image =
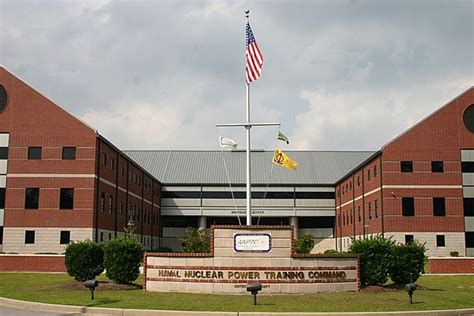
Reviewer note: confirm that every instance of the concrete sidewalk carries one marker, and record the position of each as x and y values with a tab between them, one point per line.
98	311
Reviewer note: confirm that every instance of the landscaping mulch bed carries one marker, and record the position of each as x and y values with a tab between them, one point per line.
388	288
103	286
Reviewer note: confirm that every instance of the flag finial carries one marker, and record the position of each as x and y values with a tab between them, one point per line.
247	13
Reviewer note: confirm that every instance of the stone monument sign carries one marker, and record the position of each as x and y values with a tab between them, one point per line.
248	254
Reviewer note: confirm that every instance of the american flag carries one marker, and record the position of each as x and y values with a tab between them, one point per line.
254	56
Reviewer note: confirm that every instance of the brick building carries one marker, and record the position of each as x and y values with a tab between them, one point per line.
60	180
418	186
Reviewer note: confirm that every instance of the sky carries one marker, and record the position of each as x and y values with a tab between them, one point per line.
158	75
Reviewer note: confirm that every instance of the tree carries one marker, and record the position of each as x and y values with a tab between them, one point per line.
304	244
195	241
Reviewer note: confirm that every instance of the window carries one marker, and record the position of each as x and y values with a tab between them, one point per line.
29	237
376	209
66	201
2	198
112	163
358	180
122	170
468	206
467	166
111	203
375	171
102	201
101	236
437	166
368	174
469	239
406	166
1	235
3	152
120	207
104	159
360	218
32	198
65	237
34	153
408	206
439	206
440	242
69	153
370	210
409	239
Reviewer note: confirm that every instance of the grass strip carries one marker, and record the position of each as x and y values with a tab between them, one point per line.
442	292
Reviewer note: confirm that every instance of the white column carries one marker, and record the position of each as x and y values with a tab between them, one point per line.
202	223
294	223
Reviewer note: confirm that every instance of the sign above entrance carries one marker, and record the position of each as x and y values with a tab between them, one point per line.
253	242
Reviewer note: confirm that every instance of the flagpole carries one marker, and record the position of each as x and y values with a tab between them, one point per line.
247	154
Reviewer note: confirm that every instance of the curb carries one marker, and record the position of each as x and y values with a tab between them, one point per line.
96	311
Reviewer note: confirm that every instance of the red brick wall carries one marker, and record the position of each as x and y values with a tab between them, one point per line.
350	191
451	265
34	263
439	137
33	120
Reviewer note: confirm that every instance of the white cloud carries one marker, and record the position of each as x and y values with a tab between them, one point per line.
367	119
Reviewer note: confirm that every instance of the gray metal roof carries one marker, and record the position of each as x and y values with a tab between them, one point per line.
181	167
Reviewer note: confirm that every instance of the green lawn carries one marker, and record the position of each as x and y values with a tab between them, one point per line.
442	292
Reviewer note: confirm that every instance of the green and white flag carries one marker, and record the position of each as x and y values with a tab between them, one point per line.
283	138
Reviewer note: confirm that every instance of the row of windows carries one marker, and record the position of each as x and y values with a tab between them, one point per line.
35	153
64	237
408	209
66	198
345	218
132	177
134	211
436	166
440	240
242	195
408	206
348	186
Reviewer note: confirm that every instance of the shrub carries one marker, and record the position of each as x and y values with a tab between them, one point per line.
84	260
331	252
195	241
122	258
407	262
375	255
454	254
304	244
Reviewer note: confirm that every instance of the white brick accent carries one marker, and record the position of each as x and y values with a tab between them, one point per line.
453	241
46	239
4	140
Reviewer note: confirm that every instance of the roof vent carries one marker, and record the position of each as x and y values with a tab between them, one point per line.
468	118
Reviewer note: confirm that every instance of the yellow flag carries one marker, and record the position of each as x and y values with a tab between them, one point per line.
282	159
